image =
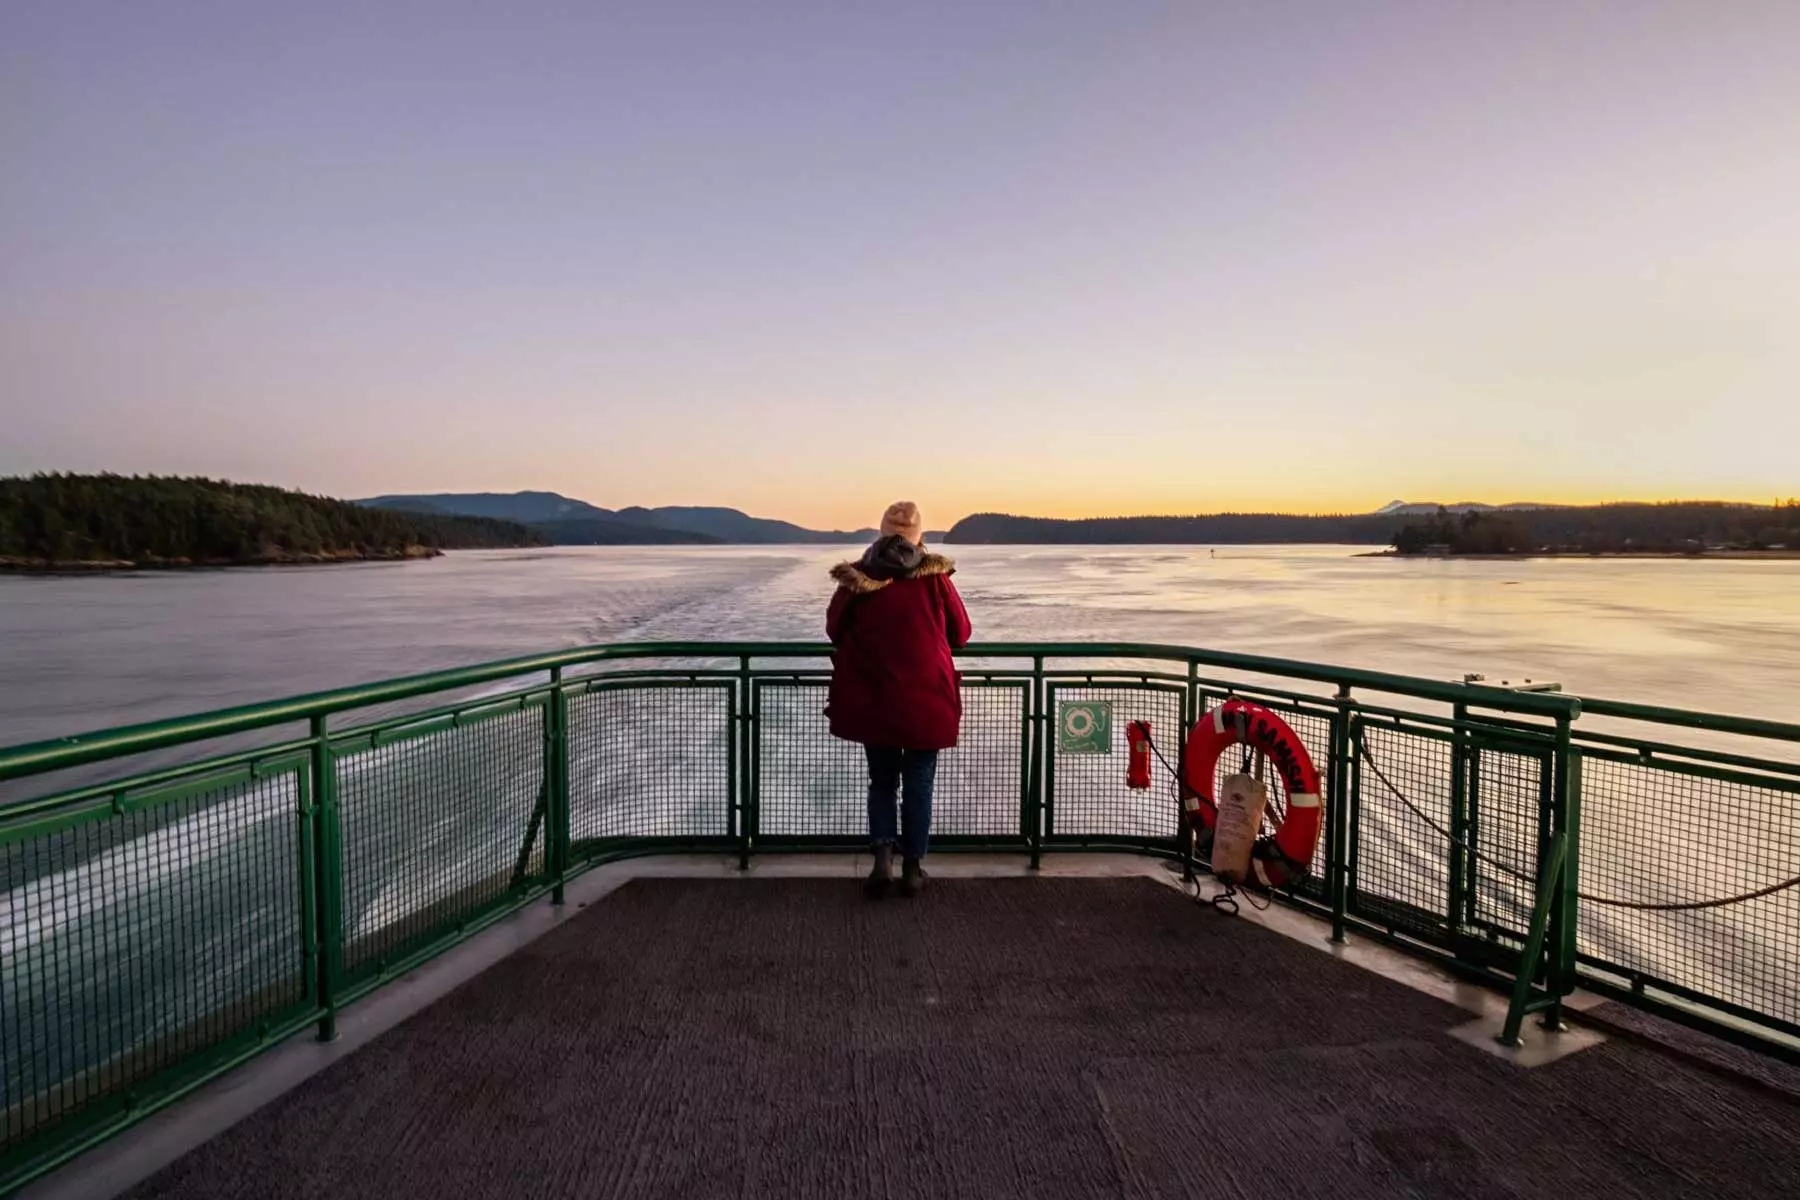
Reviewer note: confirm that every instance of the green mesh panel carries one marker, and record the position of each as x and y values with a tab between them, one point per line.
1653	834
814	785
1507	795
651	760
132	942
1401	865
1088	797
810	783
980	782
432	828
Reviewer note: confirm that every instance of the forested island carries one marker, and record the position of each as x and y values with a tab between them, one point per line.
1679	527
60	522
1686	528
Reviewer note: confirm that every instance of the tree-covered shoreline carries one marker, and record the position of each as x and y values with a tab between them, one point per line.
1685	527
1694	528
74	522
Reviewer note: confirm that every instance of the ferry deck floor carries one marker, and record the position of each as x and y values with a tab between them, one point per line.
678	1030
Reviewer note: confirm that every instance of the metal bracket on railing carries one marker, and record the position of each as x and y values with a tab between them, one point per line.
1524	685
1531	957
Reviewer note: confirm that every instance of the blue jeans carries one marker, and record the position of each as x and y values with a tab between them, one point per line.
888	769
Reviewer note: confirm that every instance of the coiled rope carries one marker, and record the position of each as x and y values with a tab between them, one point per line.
1227	900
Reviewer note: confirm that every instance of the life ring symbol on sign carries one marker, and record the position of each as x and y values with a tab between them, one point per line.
1078	723
1285	857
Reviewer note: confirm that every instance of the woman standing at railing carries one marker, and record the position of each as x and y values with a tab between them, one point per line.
894	621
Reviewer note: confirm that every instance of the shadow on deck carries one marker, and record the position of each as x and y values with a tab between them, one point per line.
1018	1036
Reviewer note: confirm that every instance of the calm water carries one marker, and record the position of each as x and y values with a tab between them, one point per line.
78	653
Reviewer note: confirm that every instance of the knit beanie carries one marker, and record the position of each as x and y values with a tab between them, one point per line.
902	520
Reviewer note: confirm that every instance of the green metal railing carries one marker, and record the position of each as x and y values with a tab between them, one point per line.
164	924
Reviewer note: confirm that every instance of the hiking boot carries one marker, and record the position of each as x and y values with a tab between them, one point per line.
881	874
912	878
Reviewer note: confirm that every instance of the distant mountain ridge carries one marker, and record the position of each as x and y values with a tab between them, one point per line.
571	522
727	525
525	507
1406	508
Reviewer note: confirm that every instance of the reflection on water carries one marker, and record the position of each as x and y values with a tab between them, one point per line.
87	652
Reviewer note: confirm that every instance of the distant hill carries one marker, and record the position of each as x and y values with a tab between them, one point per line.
1218	529
527	508
1405	508
417	506
612	532
730	525
49	521
576	522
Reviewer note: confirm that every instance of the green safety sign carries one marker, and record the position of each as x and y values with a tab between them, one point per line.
1084	726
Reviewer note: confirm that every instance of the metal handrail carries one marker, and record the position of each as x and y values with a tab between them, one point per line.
1692	719
84	748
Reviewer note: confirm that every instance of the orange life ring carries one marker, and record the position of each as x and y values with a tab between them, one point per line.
1285	857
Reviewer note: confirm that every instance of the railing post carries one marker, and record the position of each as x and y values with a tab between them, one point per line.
328	879
1193	708
1202	698
748	802
556	778
1551	877
1460	863
1337	828
1352	810
1471	894
1027	723
1566	813
1035	784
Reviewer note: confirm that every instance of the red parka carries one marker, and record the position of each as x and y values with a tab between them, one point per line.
893	682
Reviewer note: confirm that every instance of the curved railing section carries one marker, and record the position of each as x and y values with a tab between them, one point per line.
179	895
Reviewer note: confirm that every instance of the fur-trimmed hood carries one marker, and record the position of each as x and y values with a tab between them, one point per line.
851	577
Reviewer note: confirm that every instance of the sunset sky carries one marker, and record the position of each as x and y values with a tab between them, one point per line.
802	258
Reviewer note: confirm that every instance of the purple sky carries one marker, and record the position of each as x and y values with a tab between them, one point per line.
803	258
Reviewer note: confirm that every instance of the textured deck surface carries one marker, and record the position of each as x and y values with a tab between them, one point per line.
1032	1037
